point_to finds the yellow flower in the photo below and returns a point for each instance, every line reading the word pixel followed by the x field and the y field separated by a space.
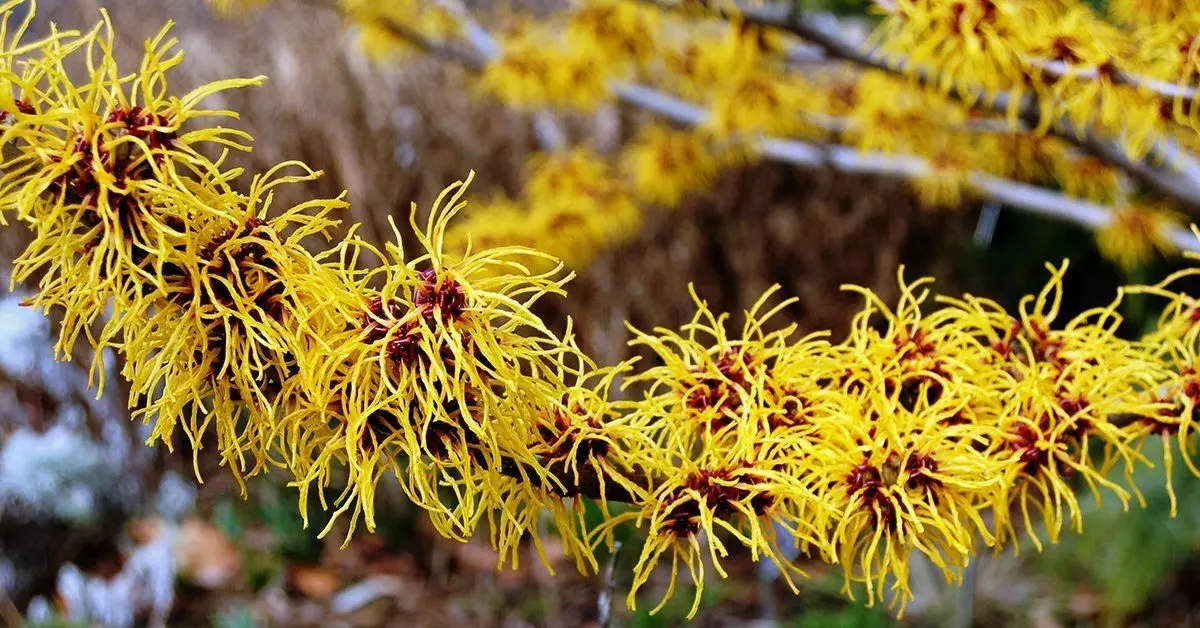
pixel 730 418
pixel 665 165
pixel 442 363
pixel 574 207
pixel 707 381
pixel 495 223
pixel 1172 399
pixel 535 69
pixel 1136 234
pixel 1025 157
pixel 904 481
pixel 566 174
pixel 913 460
pixel 377 21
pixel 1173 421
pixel 1168 50
pixel 109 178
pixel 714 54
pixel 578 205
pixel 891 115
pixel 969 43
pixel 586 438
pixel 236 7
pixel 1082 43
pixel 1055 415
pixel 1087 177
pixel 947 182
pixel 761 103
pixel 588 449
pixel 353 363
pixel 242 299
pixel 917 358
pixel 1151 12
pixel 520 76
pixel 620 31
pixel 703 501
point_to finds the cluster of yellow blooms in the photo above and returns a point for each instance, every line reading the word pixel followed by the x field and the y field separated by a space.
pixel 1081 66
pixel 577 204
pixel 939 425
pixel 1132 79
pixel 574 205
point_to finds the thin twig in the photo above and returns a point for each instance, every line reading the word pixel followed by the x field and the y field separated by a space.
pixel 9 611
pixel 604 603
pixel 467 58
pixel 964 599
pixel 565 484
pixel 1175 156
pixel 549 132
pixel 1030 198
pixel 1117 76
pixel 841 124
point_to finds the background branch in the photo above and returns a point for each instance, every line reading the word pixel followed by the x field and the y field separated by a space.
pixel 1118 76
pixel 846 159
pixel 785 17
pixel 1029 198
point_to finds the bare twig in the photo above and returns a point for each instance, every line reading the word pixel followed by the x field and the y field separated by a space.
pixel 605 601
pixel 466 58
pixel 1030 198
pixel 1174 156
pixel 1118 76
pixel 9 611
pixel 589 482
pixel 964 599
pixel 839 125
pixel 549 132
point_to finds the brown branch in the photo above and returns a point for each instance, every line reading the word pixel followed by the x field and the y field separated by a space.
pixel 467 58
pixel 1124 420
pixel 403 31
pixel 565 485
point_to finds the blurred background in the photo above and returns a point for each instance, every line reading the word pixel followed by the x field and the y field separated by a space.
pixel 96 529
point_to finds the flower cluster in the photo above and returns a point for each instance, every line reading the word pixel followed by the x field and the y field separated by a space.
pixel 939 426
pixel 574 206
pixel 1003 88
